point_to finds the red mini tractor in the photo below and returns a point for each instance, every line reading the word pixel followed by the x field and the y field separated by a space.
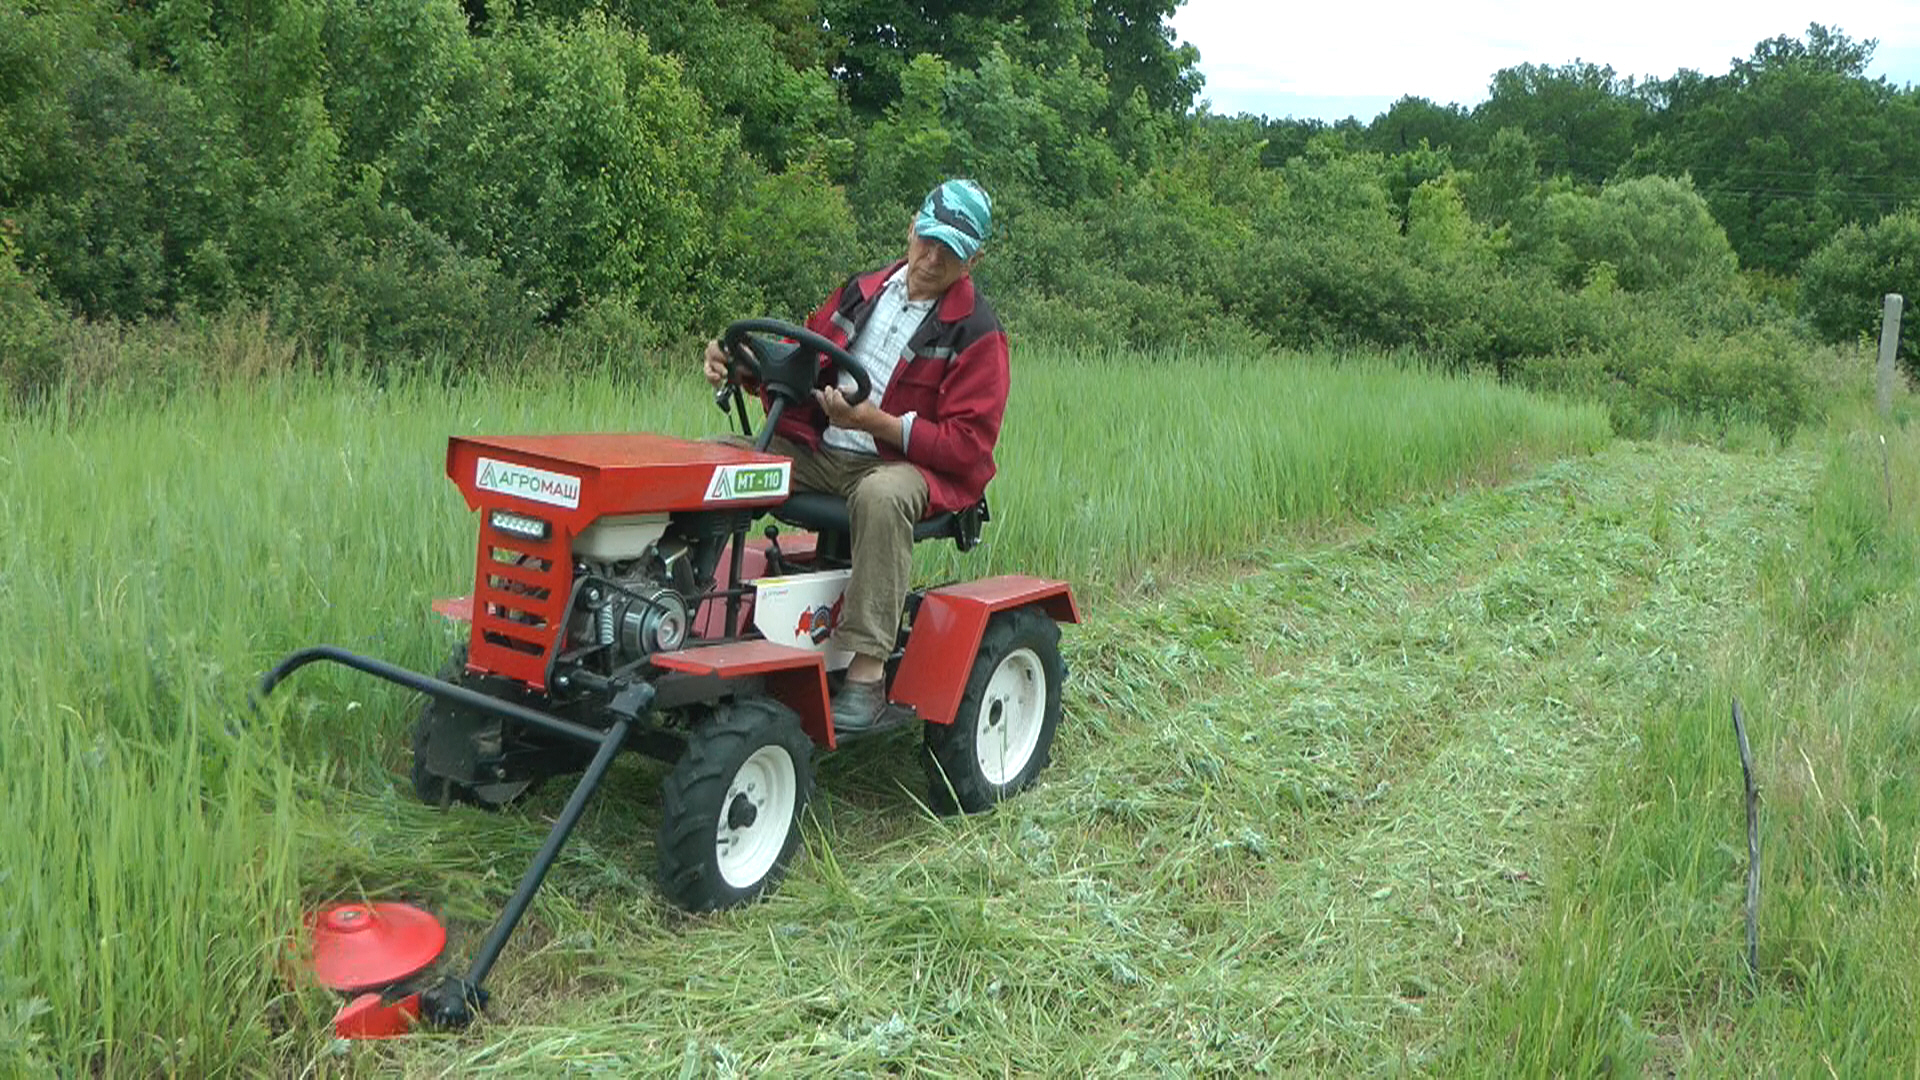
pixel 619 603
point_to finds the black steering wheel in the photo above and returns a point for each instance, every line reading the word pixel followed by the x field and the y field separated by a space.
pixel 790 371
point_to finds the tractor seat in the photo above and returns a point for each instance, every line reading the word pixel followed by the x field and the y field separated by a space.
pixel 825 513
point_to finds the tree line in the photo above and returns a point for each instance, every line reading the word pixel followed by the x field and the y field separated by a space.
pixel 396 178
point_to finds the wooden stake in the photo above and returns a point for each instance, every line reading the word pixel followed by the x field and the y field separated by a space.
pixel 1889 343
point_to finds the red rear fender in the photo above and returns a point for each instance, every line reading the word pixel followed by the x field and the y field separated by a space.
pixel 946 634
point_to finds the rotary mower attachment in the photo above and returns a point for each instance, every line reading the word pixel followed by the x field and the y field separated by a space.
pixel 373 952
pixel 451 1002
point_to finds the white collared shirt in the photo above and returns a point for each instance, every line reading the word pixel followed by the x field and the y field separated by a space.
pixel 881 348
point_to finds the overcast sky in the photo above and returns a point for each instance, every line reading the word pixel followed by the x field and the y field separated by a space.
pixel 1336 58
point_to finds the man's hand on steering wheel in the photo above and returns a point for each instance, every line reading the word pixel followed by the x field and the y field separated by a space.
pixel 833 402
pixel 715 366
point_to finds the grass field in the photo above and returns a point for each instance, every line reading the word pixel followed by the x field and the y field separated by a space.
pixel 1354 743
pixel 1640 961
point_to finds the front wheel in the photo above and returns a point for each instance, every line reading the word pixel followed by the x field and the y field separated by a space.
pixel 732 806
pixel 1003 732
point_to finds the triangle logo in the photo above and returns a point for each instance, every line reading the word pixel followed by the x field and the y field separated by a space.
pixel 722 488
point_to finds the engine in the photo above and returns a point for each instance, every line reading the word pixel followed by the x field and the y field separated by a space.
pixel 633 614
pixel 632 577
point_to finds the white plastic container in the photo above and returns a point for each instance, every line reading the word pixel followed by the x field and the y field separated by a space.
pixel 621 536
pixel 803 610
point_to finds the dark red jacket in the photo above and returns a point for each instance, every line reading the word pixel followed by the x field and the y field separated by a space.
pixel 955 381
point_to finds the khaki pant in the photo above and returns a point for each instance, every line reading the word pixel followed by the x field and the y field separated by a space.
pixel 884 500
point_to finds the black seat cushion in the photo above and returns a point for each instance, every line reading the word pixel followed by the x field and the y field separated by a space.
pixel 828 513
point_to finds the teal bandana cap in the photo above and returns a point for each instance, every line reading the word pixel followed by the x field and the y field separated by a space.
pixel 959 214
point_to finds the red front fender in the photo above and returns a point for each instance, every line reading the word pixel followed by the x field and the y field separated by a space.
pixel 795 677
pixel 946 634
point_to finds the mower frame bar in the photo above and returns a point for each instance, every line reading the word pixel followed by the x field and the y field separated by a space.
pixel 543 861
pixel 430 686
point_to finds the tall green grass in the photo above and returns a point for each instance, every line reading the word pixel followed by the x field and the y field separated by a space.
pixel 164 555
pixel 1112 468
pixel 1641 968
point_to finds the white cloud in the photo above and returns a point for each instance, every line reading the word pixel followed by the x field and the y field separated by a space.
pixel 1253 50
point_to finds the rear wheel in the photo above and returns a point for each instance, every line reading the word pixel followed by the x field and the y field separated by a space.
pixel 1002 734
pixel 733 805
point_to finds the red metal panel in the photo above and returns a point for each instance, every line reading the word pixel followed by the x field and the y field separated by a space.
pixel 491 600
pixel 369 1017
pixel 616 474
pixel 1017 590
pixel 946 634
pixel 797 677
pixel 933 673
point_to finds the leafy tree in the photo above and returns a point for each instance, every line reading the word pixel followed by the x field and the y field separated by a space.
pixel 1135 44
pixel 115 191
pixel 597 170
pixel 28 358
pixel 1289 138
pixel 1792 143
pixel 1029 135
pixel 1406 172
pixel 1127 41
pixel 1441 233
pixel 783 243
pixel 1580 116
pixel 1502 185
pixel 878 39
pixel 763 63
pixel 415 86
pixel 1650 233
pixel 1413 122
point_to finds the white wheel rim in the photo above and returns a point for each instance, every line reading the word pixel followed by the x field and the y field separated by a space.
pixel 1012 712
pixel 755 817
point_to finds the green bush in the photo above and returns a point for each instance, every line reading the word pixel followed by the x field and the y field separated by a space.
pixel 29 360
pixel 116 182
pixel 598 170
pixel 1655 232
pixel 1653 374
pixel 783 245
pixel 1843 284
pixel 387 285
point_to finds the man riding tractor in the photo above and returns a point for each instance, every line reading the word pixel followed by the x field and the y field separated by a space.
pixel 921 443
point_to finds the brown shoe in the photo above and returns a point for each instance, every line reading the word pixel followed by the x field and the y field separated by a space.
pixel 857 706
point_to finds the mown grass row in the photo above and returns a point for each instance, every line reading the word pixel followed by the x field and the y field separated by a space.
pixel 162 557
pixel 1641 966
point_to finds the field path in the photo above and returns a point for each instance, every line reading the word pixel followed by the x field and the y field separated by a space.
pixel 1295 816
pixel 1392 730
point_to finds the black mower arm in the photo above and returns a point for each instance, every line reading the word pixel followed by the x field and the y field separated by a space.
pixel 427 685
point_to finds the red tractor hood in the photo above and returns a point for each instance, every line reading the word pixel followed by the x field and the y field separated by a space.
pixel 574 479
pixel 559 485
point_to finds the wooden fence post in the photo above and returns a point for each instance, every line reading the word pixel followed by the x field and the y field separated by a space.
pixel 1889 342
